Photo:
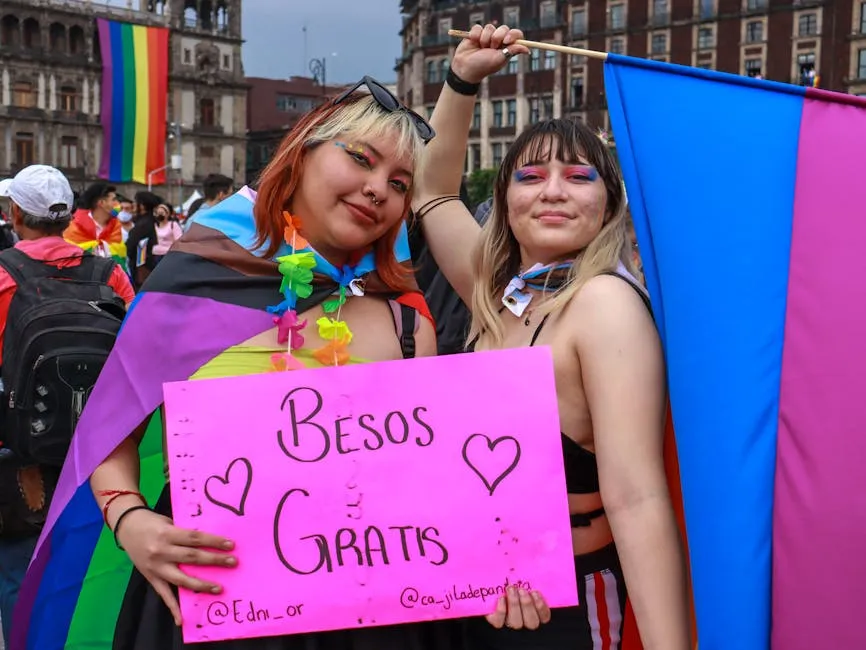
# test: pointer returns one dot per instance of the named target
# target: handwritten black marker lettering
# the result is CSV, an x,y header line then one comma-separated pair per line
x,y
324,556
416,415
306,422
340,435
478,451
378,439
345,540
404,543
426,536
401,430
377,545
231,491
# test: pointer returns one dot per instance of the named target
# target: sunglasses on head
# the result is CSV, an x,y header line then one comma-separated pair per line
x,y
389,103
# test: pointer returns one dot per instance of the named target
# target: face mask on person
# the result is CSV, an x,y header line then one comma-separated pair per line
x,y
124,217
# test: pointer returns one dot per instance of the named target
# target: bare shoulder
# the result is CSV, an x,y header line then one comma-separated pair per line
x,y
607,303
425,339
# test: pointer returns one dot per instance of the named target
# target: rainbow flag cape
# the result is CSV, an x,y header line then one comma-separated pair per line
x,y
209,295
748,201
82,232
134,101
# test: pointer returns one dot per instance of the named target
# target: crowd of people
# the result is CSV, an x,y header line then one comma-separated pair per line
x,y
549,260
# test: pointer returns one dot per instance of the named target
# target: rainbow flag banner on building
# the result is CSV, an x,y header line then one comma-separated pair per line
x,y
750,210
134,101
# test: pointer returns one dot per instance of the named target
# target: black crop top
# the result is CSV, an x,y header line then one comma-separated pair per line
x,y
581,467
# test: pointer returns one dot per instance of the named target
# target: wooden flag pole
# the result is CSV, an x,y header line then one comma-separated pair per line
x,y
564,49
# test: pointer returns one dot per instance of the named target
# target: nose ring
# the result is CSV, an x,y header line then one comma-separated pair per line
x,y
373,198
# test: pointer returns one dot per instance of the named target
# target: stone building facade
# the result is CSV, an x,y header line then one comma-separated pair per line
x,y
50,87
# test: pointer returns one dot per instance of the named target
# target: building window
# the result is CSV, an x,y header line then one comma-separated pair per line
x,y
534,110
754,31
577,92
534,60
617,45
705,38
549,60
443,68
659,43
512,112
513,65
753,5
432,72
806,67
187,56
861,64
476,116
511,16
68,152
496,148
547,107
476,157
497,114
578,22
24,149
206,112
617,16
68,99
707,9
444,26
863,17
23,95
476,19
548,14
660,12
227,62
808,24
753,68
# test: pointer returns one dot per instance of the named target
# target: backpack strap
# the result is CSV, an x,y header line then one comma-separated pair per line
x,y
102,268
21,266
406,324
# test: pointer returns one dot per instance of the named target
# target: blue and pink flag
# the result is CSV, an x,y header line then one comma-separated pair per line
x,y
749,202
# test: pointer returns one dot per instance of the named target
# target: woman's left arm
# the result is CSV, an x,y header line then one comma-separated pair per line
x,y
624,379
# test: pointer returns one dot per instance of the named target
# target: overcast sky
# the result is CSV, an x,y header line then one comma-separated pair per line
x,y
358,37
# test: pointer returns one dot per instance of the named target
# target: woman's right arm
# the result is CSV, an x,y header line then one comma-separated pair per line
x,y
153,543
449,229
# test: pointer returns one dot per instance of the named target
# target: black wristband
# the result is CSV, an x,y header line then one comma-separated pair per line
x,y
460,86
120,518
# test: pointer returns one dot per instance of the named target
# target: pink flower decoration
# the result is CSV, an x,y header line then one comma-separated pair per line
x,y
283,361
289,327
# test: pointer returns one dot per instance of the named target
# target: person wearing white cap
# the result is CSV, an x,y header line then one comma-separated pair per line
x,y
41,202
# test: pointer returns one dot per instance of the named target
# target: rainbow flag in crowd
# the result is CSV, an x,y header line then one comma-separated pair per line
x,y
134,100
749,201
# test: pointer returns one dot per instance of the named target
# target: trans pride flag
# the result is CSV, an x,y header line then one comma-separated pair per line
x,y
134,100
749,203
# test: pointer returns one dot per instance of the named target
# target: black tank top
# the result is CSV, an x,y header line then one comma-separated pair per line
x,y
581,467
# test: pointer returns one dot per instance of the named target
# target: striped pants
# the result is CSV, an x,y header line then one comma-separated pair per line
x,y
596,624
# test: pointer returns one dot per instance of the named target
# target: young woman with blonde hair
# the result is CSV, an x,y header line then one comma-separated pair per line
x,y
552,266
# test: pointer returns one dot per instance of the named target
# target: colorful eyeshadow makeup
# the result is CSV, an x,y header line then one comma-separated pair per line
x,y
532,173
356,148
587,172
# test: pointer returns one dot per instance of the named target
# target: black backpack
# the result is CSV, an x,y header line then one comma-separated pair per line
x,y
61,327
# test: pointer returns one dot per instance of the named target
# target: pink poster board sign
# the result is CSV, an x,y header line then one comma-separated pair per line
x,y
372,494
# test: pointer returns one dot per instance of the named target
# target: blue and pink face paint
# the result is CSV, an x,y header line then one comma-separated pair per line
x,y
535,173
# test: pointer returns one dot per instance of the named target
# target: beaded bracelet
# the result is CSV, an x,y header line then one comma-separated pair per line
x,y
120,518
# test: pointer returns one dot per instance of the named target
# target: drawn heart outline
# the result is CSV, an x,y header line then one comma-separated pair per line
x,y
491,445
225,482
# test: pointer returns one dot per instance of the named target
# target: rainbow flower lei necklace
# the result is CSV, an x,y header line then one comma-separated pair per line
x,y
298,270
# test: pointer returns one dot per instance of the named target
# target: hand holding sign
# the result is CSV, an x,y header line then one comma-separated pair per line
x,y
374,494
156,547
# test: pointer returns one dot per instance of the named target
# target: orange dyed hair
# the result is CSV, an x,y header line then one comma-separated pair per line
x,y
279,180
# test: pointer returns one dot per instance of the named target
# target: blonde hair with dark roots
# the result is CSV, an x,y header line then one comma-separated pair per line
x,y
497,257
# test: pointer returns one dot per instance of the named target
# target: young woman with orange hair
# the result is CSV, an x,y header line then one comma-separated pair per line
x,y
333,201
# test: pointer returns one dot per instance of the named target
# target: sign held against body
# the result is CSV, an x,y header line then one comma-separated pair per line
x,y
373,494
